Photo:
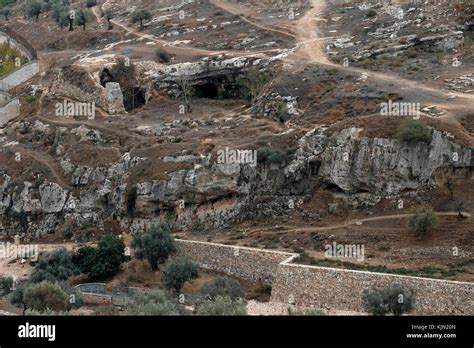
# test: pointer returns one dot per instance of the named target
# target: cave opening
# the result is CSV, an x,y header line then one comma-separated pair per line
x,y
133,98
105,77
333,188
206,90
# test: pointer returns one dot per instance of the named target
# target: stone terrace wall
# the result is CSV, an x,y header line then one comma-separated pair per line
x,y
19,76
246,263
342,289
322,287
9,111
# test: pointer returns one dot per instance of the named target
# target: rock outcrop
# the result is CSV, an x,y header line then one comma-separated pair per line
x,y
212,195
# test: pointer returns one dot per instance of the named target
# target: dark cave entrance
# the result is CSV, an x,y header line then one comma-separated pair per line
x,y
207,90
133,98
106,76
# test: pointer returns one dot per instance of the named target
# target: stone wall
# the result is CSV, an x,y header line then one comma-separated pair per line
x,y
9,111
246,263
19,76
322,287
341,289
96,299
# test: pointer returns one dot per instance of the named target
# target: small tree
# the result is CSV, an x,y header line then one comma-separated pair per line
x,y
222,286
103,261
5,12
55,266
33,9
185,87
156,245
82,17
413,132
394,299
44,296
17,295
449,184
459,207
6,284
153,302
178,272
162,55
109,15
423,220
139,16
222,305
252,83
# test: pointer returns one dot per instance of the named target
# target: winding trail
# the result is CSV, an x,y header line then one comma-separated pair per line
x,y
358,222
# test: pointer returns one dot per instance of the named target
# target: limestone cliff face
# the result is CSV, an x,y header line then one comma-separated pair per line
x,y
379,166
212,195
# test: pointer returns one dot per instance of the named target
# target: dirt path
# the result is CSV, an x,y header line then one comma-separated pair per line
x,y
97,17
231,8
360,221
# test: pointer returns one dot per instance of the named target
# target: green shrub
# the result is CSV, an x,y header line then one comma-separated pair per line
x,y
250,84
45,295
55,266
178,271
414,131
141,15
153,302
271,155
423,220
156,245
162,55
105,310
6,284
222,286
394,299
103,261
222,306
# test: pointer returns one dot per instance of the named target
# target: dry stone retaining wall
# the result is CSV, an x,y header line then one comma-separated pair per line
x,y
19,76
341,289
246,263
9,111
322,287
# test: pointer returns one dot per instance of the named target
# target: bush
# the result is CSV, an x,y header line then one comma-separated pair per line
x,y
103,261
139,16
222,305
222,286
156,245
394,299
271,155
153,302
45,295
55,266
178,272
423,220
162,55
34,9
252,83
105,310
83,17
414,131
6,284
91,3
17,296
